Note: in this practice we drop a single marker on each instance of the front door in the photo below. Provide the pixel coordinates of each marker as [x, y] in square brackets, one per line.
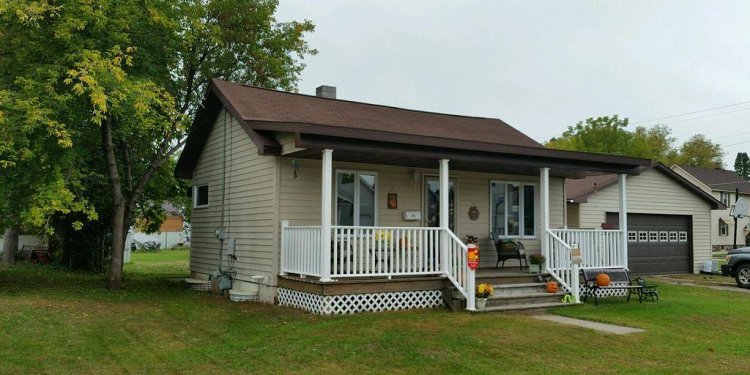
[431, 203]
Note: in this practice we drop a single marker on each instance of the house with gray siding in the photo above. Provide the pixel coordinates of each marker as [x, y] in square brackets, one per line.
[668, 217]
[335, 206]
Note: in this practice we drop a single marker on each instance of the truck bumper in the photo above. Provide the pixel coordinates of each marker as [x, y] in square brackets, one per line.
[726, 270]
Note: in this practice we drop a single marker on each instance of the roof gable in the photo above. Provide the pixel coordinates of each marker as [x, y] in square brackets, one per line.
[718, 179]
[578, 191]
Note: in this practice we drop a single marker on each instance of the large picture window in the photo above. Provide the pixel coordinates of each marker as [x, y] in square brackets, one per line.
[512, 211]
[356, 198]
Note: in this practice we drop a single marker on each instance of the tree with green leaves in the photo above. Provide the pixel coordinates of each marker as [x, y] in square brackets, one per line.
[605, 135]
[134, 72]
[609, 135]
[742, 165]
[699, 151]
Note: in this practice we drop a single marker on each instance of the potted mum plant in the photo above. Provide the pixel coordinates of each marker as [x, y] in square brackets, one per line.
[536, 261]
[484, 291]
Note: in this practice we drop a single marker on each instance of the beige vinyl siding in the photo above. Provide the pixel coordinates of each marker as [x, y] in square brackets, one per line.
[654, 193]
[300, 198]
[250, 204]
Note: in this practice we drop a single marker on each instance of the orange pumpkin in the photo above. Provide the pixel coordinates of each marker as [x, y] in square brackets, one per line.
[602, 279]
[552, 287]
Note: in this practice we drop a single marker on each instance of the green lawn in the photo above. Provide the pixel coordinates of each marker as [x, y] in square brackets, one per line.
[54, 321]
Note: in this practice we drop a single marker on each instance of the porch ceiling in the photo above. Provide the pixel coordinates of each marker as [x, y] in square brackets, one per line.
[516, 160]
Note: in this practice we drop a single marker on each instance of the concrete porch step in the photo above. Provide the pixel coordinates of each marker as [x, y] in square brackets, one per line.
[519, 289]
[522, 299]
[525, 306]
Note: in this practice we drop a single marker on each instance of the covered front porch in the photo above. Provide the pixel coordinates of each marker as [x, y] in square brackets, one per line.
[431, 248]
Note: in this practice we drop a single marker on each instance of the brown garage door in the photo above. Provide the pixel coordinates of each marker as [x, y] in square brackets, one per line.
[657, 243]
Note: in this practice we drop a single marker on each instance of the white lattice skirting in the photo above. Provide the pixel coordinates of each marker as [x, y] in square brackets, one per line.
[355, 303]
[604, 293]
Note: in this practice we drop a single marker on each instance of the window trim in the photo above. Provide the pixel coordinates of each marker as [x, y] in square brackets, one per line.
[521, 212]
[375, 203]
[725, 226]
[195, 195]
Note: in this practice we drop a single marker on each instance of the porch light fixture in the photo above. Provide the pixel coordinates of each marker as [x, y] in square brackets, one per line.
[296, 164]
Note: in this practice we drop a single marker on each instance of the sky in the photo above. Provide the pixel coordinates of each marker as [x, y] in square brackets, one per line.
[541, 66]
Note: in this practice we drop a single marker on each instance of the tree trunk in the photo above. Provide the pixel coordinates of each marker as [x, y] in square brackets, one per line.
[10, 245]
[118, 208]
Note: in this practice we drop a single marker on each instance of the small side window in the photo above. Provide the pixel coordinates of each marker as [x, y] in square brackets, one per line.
[200, 196]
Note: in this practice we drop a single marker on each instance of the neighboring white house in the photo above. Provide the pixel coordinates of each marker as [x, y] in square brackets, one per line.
[336, 206]
[668, 217]
[24, 240]
[722, 185]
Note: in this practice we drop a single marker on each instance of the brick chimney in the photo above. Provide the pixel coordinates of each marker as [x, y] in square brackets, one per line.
[326, 92]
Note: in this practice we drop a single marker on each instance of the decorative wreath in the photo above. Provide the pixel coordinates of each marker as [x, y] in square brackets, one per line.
[473, 213]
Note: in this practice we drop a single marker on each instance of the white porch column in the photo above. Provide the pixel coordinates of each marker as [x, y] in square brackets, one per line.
[325, 215]
[444, 215]
[623, 221]
[544, 222]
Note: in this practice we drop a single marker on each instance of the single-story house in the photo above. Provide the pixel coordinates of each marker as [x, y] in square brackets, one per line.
[668, 217]
[336, 206]
[722, 185]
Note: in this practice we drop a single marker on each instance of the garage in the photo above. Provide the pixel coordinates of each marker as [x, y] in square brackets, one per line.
[657, 244]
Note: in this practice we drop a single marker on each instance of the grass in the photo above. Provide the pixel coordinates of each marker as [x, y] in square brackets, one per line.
[55, 321]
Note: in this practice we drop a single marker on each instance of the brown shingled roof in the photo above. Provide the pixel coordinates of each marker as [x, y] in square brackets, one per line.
[719, 179]
[258, 104]
[369, 133]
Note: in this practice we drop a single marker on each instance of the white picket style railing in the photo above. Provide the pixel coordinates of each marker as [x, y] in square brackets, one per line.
[458, 271]
[379, 252]
[559, 264]
[599, 248]
[301, 251]
[385, 251]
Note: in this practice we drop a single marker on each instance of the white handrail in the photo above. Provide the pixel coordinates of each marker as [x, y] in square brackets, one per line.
[459, 273]
[559, 265]
[599, 248]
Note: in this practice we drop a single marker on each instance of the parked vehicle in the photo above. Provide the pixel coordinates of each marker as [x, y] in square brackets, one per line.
[738, 266]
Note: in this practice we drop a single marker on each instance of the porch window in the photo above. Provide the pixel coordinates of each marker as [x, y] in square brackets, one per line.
[200, 196]
[512, 211]
[356, 198]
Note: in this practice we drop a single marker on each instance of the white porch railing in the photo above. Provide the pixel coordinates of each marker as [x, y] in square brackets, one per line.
[459, 273]
[384, 251]
[559, 264]
[599, 248]
[379, 252]
[301, 250]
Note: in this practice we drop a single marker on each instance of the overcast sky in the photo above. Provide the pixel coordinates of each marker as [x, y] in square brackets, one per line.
[541, 65]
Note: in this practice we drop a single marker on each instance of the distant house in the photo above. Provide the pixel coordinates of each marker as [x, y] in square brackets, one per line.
[668, 217]
[172, 232]
[335, 206]
[722, 185]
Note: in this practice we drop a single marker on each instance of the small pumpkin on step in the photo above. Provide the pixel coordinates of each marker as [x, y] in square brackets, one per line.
[552, 287]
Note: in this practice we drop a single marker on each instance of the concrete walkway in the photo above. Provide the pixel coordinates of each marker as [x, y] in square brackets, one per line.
[609, 328]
